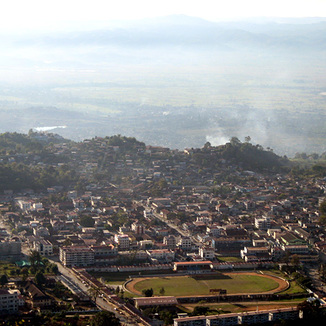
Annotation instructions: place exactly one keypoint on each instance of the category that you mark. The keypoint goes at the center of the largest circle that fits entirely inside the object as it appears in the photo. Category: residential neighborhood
(137, 208)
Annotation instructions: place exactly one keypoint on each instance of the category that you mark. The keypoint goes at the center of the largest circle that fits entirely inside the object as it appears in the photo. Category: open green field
(188, 285)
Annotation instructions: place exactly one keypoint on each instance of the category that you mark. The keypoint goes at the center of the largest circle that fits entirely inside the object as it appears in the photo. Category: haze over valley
(174, 81)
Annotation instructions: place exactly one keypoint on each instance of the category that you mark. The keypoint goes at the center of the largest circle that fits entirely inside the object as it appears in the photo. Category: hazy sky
(46, 14)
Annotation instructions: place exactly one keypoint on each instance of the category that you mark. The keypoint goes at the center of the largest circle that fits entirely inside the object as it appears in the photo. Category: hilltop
(40, 160)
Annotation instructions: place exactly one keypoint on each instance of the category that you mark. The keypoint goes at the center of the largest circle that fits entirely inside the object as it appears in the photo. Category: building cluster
(151, 208)
(245, 318)
(161, 206)
(22, 294)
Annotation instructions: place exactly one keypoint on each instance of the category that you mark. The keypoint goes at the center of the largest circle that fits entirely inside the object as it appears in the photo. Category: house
(165, 255)
(122, 240)
(207, 253)
(44, 247)
(170, 242)
(38, 298)
(222, 208)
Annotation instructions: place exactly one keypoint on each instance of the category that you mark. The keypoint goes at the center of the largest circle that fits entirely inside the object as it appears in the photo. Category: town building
(10, 249)
(163, 301)
(170, 242)
(263, 223)
(78, 256)
(44, 247)
(9, 301)
(138, 228)
(207, 253)
(122, 240)
(38, 298)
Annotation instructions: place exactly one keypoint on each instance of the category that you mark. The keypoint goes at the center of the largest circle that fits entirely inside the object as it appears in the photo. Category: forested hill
(38, 161)
(245, 155)
(15, 143)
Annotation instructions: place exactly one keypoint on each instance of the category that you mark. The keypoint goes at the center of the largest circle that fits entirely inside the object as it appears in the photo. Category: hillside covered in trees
(38, 161)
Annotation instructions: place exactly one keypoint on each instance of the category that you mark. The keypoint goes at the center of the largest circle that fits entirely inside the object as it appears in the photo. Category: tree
(162, 291)
(35, 259)
(54, 269)
(286, 258)
(3, 280)
(295, 261)
(310, 308)
(235, 141)
(148, 292)
(322, 207)
(207, 145)
(200, 310)
(247, 139)
(40, 278)
(167, 316)
(322, 210)
(67, 242)
(105, 318)
(87, 221)
(93, 292)
(25, 273)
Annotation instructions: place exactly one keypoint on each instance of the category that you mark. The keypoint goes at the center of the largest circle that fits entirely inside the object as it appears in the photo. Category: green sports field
(192, 285)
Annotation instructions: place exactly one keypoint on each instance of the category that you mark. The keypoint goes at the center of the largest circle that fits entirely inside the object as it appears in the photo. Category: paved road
(176, 228)
(78, 287)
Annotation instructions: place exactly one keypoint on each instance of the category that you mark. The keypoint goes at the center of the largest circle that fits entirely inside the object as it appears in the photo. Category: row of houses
(12, 299)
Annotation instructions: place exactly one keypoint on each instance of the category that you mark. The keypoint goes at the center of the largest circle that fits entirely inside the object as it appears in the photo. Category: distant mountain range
(184, 31)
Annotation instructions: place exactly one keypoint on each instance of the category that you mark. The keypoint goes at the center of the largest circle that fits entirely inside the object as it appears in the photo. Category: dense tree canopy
(105, 318)
(87, 221)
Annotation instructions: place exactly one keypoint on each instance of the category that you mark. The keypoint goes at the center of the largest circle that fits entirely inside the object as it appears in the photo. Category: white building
(165, 255)
(255, 253)
(244, 318)
(44, 247)
(122, 240)
(148, 214)
(76, 256)
(296, 249)
(263, 223)
(185, 243)
(214, 230)
(254, 317)
(24, 205)
(9, 301)
(222, 320)
(37, 206)
(207, 253)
